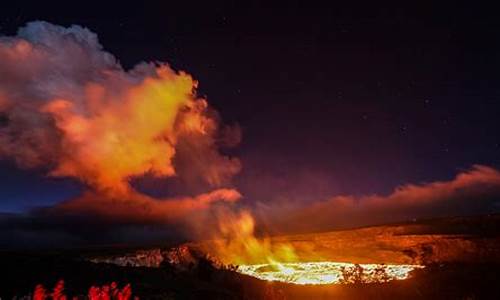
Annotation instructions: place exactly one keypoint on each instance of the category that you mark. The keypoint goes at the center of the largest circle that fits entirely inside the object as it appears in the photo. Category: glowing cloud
(475, 191)
(69, 107)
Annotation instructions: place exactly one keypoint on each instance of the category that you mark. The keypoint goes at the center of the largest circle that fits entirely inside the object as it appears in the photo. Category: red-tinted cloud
(470, 192)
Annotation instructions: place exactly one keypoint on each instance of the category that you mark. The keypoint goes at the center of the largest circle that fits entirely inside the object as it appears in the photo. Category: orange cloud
(72, 109)
(471, 192)
(69, 107)
(137, 208)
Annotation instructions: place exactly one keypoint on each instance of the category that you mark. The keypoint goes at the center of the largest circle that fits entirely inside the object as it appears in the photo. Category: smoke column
(69, 107)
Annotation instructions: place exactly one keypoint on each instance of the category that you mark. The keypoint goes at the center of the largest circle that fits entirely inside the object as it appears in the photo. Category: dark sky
(332, 99)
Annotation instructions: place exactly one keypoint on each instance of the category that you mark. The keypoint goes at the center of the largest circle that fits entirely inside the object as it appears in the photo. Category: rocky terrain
(452, 240)
(461, 257)
(469, 240)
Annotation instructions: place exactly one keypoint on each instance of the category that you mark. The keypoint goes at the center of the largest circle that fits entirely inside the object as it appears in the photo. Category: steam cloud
(475, 191)
(69, 107)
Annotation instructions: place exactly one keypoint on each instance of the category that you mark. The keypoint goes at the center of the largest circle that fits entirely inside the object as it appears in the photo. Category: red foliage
(58, 292)
(104, 292)
(40, 293)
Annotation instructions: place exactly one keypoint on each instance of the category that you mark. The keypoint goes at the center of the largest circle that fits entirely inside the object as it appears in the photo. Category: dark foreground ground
(450, 281)
(473, 277)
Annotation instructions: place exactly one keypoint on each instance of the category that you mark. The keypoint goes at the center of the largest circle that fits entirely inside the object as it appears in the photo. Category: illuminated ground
(327, 272)
(461, 258)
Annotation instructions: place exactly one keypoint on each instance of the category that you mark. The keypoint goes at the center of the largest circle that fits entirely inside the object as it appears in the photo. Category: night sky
(331, 99)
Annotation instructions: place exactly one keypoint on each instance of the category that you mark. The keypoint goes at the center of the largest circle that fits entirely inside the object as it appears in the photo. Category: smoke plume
(474, 191)
(69, 107)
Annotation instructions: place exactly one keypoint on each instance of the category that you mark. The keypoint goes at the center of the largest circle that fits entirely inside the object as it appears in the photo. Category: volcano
(392, 261)
(249, 150)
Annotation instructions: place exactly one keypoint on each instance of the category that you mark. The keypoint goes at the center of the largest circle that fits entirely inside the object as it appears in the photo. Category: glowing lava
(262, 258)
(327, 272)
